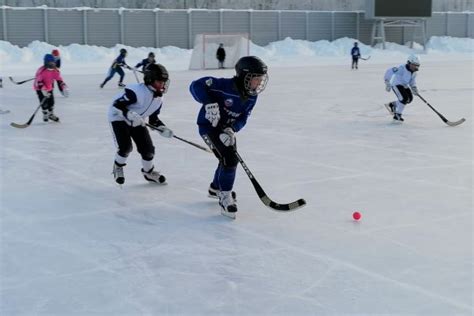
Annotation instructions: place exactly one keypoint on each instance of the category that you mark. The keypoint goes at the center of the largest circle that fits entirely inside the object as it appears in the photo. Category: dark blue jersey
(144, 63)
(355, 52)
(233, 109)
(119, 62)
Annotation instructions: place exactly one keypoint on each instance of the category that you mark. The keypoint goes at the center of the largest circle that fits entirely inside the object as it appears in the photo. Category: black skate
(228, 204)
(121, 85)
(154, 176)
(117, 171)
(214, 193)
(390, 107)
(398, 117)
(53, 117)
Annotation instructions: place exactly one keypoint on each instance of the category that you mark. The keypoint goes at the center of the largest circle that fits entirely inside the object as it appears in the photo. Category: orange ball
(356, 216)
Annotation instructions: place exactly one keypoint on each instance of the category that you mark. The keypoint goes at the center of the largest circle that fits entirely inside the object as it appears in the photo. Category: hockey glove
(46, 94)
(63, 88)
(227, 137)
(212, 113)
(388, 86)
(414, 89)
(135, 119)
(165, 131)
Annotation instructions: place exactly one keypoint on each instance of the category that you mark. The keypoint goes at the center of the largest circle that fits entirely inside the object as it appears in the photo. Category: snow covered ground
(73, 243)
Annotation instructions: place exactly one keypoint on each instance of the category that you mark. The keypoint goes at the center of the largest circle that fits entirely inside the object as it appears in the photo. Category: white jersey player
(127, 117)
(401, 80)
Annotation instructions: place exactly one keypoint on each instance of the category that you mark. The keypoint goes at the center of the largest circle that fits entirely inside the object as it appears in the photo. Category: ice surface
(74, 243)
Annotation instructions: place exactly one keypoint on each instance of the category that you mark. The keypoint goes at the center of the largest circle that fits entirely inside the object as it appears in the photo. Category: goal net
(206, 45)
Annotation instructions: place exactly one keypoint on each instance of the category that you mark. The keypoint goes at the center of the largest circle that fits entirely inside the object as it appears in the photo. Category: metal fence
(159, 28)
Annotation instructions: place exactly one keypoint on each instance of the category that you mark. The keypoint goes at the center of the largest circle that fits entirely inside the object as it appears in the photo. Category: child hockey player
(147, 61)
(226, 105)
(44, 83)
(127, 117)
(116, 67)
(401, 80)
(355, 53)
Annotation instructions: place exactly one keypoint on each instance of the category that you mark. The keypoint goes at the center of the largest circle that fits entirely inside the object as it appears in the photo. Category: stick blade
(283, 207)
(19, 125)
(456, 123)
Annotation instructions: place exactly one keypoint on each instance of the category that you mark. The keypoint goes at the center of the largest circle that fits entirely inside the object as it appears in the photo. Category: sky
(72, 242)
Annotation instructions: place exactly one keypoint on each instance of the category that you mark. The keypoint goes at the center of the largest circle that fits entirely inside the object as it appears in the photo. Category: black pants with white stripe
(403, 94)
(124, 134)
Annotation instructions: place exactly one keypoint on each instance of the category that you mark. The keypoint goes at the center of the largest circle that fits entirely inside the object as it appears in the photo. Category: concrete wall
(159, 28)
(318, 5)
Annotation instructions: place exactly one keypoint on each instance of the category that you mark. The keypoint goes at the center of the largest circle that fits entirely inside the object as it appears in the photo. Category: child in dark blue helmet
(226, 105)
(116, 67)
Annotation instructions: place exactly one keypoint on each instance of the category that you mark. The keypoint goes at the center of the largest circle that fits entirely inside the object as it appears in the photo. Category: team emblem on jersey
(228, 102)
(209, 82)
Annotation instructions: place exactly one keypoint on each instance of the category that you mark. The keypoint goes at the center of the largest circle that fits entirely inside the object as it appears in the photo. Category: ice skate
(214, 193)
(53, 117)
(398, 117)
(154, 176)
(390, 107)
(121, 85)
(228, 204)
(45, 115)
(117, 171)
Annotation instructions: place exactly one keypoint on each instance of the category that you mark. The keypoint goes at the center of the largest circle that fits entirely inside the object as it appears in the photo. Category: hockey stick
(20, 82)
(182, 139)
(441, 116)
(135, 74)
(264, 197)
(365, 58)
(31, 118)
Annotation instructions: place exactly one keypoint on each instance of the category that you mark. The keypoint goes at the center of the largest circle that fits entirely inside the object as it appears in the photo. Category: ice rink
(74, 243)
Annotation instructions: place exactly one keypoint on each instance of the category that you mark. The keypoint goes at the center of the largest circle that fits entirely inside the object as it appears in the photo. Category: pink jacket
(44, 78)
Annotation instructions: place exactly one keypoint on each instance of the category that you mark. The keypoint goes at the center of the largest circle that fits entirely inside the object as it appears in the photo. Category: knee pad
(149, 154)
(229, 161)
(124, 152)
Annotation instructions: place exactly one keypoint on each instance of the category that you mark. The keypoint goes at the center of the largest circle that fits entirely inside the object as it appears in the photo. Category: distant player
(116, 67)
(226, 105)
(355, 53)
(147, 61)
(220, 55)
(44, 84)
(127, 117)
(401, 80)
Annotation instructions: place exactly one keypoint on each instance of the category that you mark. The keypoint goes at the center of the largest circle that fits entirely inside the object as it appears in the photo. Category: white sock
(120, 160)
(399, 107)
(147, 165)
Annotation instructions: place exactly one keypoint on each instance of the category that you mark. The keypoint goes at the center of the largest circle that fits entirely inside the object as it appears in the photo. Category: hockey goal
(236, 45)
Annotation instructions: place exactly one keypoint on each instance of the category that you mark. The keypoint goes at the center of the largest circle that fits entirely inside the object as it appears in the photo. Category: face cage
(247, 83)
(165, 86)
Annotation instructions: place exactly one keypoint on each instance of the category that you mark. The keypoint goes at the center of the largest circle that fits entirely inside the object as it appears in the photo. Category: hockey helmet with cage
(157, 72)
(248, 68)
(123, 51)
(414, 60)
(49, 61)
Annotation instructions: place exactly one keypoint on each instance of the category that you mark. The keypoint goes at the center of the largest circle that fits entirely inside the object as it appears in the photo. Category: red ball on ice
(356, 216)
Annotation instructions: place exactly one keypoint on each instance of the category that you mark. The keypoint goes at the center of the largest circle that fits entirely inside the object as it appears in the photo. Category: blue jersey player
(116, 67)
(226, 105)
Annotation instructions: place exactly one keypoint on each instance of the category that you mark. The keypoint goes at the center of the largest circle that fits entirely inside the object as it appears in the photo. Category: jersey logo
(228, 103)
(209, 82)
(395, 69)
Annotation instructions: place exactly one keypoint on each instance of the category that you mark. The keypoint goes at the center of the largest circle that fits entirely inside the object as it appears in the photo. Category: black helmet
(151, 54)
(155, 72)
(246, 69)
(123, 51)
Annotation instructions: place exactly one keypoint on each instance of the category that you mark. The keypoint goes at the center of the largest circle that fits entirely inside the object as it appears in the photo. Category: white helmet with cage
(414, 60)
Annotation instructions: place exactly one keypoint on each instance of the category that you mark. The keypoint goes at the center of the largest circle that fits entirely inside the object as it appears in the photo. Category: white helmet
(413, 59)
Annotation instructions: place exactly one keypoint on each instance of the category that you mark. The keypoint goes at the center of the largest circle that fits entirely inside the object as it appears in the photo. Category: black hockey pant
(124, 134)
